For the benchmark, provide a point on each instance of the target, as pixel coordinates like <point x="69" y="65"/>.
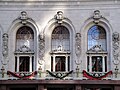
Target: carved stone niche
<point x="59" y="17"/>
<point x="97" y="16"/>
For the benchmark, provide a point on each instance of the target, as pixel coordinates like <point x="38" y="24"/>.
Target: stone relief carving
<point x="78" y="49"/>
<point x="5" y="45"/>
<point x="5" y="49"/>
<point x="59" y="17"/>
<point x="96" y="48"/>
<point x="97" y="16"/>
<point x="41" y="46"/>
<point x="23" y="17"/>
<point x="78" y="44"/>
<point x="116" y="48"/>
<point x="24" y="49"/>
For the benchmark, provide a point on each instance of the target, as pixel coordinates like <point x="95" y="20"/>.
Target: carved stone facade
<point x="77" y="41"/>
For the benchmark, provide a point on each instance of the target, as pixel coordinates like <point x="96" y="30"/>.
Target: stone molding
<point x="7" y="3"/>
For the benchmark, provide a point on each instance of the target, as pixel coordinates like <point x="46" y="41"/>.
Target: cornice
<point x="57" y="3"/>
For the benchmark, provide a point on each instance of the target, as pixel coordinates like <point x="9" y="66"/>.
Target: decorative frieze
<point x="78" y="44"/>
<point x="5" y="45"/>
<point x="116" y="48"/>
<point x="41" y="46"/>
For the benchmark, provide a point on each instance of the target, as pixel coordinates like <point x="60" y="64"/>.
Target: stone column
<point x="18" y="63"/>
<point x="103" y="63"/>
<point x="53" y="63"/>
<point x="90" y="63"/>
<point x="30" y="67"/>
<point x="66" y="63"/>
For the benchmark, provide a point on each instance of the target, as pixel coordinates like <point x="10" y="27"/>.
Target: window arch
<point x="25" y="38"/>
<point x="97" y="36"/>
<point x="60" y="39"/>
<point x="24" y="55"/>
<point x="60" y="56"/>
<point x="97" y="49"/>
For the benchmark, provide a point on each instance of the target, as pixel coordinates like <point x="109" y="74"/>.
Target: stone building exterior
<point x="59" y="45"/>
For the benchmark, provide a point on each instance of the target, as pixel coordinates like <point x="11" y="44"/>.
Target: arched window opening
<point x="24" y="54"/>
<point x="25" y="38"/>
<point x="97" y="49"/>
<point x="60" y="39"/>
<point x="97" y="36"/>
<point x="60" y="58"/>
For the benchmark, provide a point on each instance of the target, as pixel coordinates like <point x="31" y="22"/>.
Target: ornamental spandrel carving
<point x="78" y="44"/>
<point x="97" y="16"/>
<point x="5" y="45"/>
<point x="41" y="46"/>
<point x="116" y="48"/>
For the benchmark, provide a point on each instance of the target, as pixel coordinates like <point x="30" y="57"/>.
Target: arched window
<point x="60" y="58"/>
<point x="24" y="59"/>
<point x="97" y="49"/>
<point x="97" y="36"/>
<point x="25" y="38"/>
<point x="60" y="39"/>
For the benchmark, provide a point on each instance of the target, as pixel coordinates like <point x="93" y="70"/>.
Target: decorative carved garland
<point x="22" y="76"/>
<point x="95" y="76"/>
<point x="59" y="75"/>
